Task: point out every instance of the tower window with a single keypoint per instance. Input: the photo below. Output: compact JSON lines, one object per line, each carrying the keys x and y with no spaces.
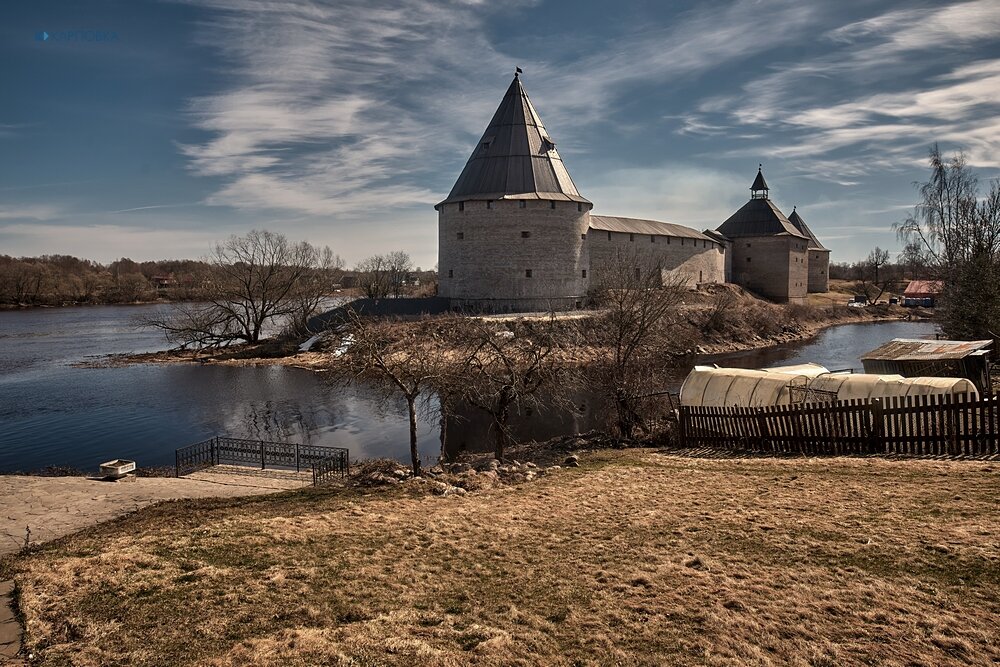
{"x":461,"y":206}
{"x":451,"y":273}
{"x":638,"y":273}
{"x":527,"y":273}
{"x":579,"y":206}
{"x":522,"y":204}
{"x":489,"y":204}
{"x":583,"y":237}
{"x":682,"y":241}
{"x":652,"y":239}
{"x":461,"y":235}
{"x":631,"y":237}
{"x":699,"y":276}
{"x":748,"y":245}
{"x":525,"y":235}
{"x":748,"y":259}
{"x":552,"y":204}
{"x":585,"y":273}
{"x":609,"y":236}
{"x":668,"y":240}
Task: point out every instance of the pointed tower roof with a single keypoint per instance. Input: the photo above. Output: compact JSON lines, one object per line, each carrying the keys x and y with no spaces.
{"x":759,"y":216}
{"x":800,"y":225}
{"x":759,"y":185}
{"x":515,"y":158}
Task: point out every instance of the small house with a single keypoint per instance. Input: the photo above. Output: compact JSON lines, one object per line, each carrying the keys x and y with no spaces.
{"x":922,"y":293}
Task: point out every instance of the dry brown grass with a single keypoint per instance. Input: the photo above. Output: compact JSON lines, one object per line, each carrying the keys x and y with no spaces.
{"x":636,"y":558}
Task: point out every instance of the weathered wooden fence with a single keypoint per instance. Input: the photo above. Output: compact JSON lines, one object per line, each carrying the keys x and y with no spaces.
{"x":325,"y":462}
{"x":941,"y":425}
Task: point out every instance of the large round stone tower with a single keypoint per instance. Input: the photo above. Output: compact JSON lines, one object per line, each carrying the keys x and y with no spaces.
{"x":512,"y":234}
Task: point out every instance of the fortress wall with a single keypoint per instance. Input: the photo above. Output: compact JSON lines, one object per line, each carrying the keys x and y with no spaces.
{"x":694,"y":260}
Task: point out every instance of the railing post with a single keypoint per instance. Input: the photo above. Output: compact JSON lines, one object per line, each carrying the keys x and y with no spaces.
{"x":262,"y":466}
{"x":177,"y":463}
{"x":297,"y":457}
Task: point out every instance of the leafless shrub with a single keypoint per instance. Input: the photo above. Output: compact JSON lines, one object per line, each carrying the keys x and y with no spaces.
{"x":640,"y":303}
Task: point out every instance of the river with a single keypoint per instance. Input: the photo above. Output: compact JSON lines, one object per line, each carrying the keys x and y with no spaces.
{"x":53,"y":412}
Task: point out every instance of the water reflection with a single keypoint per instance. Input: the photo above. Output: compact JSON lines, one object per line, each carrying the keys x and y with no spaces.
{"x":52,"y":413}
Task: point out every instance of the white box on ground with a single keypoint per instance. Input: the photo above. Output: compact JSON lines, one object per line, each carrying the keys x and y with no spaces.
{"x":117,"y":469}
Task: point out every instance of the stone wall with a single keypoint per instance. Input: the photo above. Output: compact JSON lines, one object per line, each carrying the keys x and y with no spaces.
{"x":773,"y":266}
{"x":694,"y":260}
{"x":487,"y":249}
{"x":819,"y":270}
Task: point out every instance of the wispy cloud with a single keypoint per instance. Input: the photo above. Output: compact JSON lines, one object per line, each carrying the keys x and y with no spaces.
{"x":334,"y":108}
{"x":30,"y":212}
{"x":349,"y":107}
{"x":155,"y":207}
{"x":888,"y":129}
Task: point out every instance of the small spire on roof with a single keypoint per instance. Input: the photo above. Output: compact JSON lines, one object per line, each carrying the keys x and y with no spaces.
{"x":759,"y":184}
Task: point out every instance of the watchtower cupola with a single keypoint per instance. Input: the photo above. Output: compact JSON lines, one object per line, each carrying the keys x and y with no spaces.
{"x":759,"y":188}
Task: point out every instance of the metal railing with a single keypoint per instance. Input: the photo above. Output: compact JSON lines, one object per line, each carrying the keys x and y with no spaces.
{"x":325,"y":462}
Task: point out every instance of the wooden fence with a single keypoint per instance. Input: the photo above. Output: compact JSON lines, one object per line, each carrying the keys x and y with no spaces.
{"x":942,"y":425}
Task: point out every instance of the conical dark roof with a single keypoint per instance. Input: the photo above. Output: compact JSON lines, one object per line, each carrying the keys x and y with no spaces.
{"x":515,"y":158}
{"x":758,"y":217}
{"x":800,"y":225}
{"x":759,"y":183}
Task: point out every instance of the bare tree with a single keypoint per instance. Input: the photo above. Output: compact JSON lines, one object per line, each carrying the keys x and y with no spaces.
{"x":312,"y":288}
{"x":382,"y":276}
{"x":959,"y":233}
{"x":504,"y":365}
{"x":254,"y":280}
{"x":873,"y":282}
{"x":407,"y":360}
{"x":639,"y":301}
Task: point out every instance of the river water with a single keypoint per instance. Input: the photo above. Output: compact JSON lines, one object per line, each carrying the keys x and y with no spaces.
{"x":53,"y":412}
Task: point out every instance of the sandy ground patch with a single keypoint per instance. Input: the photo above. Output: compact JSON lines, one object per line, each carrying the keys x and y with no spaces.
{"x":55,"y":506}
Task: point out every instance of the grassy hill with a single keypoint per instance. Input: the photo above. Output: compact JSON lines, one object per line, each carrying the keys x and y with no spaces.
{"x":634,"y":558}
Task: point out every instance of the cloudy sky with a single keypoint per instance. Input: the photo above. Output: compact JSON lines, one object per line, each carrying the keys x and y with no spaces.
{"x":151,"y":129}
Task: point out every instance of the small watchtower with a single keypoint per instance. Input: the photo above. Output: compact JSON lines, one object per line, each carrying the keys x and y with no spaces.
{"x":769,"y":255}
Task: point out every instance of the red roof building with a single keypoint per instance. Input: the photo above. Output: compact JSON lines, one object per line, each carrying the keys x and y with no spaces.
{"x":923,"y":289}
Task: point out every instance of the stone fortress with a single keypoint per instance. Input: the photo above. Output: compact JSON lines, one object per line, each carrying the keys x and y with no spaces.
{"x":515,"y":234}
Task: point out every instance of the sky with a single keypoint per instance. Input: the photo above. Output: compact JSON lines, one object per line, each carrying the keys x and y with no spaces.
{"x":152,"y":130}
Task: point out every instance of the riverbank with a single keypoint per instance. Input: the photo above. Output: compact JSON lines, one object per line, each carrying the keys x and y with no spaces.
{"x":636,"y":557}
{"x":704,"y":325}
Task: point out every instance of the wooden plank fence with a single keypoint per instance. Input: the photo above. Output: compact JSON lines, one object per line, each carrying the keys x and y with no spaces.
{"x":936,"y":425}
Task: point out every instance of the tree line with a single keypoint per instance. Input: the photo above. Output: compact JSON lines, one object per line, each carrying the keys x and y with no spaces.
{"x":53,"y":280}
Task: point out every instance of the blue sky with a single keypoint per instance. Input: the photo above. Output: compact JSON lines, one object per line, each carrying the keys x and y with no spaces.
{"x":170,"y":125}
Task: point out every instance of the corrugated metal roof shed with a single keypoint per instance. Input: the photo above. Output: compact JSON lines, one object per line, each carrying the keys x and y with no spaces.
{"x":608,"y":223}
{"x":515,"y":156}
{"x":910,"y":349}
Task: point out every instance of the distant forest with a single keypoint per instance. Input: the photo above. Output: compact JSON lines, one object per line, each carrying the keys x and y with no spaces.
{"x":55,"y":280}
